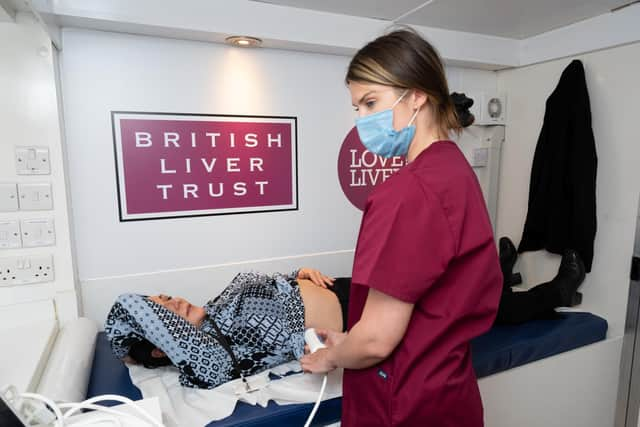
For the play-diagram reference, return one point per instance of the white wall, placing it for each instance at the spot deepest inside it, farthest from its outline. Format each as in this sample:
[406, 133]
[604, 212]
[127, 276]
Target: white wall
[572, 389]
[612, 80]
[586, 378]
[190, 256]
[29, 116]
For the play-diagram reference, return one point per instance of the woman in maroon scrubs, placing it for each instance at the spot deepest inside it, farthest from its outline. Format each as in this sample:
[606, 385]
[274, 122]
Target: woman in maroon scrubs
[426, 277]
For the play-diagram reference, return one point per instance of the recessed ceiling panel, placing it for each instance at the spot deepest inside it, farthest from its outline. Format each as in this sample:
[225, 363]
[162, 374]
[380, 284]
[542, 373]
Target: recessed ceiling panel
[517, 19]
[379, 9]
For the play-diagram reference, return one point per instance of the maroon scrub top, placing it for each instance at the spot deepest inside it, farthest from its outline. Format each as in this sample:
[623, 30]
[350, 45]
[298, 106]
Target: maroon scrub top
[425, 238]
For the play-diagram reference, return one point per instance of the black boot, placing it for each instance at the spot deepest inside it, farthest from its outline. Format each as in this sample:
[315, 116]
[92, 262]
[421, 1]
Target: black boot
[570, 276]
[508, 255]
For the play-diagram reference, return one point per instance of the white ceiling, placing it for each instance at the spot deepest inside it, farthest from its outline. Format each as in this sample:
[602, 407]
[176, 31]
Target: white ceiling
[517, 19]
[465, 34]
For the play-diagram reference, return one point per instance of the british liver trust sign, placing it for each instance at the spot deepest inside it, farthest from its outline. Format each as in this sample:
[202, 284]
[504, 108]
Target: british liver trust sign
[176, 165]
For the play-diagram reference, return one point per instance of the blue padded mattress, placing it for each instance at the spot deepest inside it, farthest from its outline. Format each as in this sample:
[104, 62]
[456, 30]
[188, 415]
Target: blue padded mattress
[508, 346]
[502, 348]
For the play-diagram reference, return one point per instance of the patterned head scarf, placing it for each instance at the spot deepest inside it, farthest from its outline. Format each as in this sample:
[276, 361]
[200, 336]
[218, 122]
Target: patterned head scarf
[202, 362]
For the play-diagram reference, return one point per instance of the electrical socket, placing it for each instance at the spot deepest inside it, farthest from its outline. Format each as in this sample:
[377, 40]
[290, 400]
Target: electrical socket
[32, 161]
[10, 235]
[8, 197]
[36, 232]
[26, 270]
[35, 196]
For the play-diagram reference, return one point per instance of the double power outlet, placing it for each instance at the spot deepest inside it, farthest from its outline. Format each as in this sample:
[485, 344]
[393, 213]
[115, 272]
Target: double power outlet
[26, 270]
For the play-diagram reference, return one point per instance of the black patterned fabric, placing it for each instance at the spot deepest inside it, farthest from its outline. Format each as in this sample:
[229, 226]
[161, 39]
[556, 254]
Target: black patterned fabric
[260, 316]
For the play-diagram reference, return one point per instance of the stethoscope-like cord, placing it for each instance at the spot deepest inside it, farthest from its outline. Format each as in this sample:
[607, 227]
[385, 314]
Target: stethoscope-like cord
[317, 405]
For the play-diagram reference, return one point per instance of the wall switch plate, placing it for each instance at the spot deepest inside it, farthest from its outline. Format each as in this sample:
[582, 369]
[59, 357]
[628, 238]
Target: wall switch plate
[37, 232]
[35, 197]
[26, 270]
[33, 161]
[480, 157]
[10, 235]
[8, 197]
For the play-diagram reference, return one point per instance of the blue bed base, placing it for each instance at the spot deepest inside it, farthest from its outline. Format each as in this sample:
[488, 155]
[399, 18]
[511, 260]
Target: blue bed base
[502, 348]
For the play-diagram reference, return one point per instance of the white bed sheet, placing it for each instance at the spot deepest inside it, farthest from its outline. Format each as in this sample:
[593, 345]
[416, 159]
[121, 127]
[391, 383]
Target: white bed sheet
[187, 407]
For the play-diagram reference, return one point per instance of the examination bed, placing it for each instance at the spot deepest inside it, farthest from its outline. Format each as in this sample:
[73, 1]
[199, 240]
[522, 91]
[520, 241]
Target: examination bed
[500, 349]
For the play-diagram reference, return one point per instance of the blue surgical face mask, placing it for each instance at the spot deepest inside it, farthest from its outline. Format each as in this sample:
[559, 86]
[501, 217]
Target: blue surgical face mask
[378, 135]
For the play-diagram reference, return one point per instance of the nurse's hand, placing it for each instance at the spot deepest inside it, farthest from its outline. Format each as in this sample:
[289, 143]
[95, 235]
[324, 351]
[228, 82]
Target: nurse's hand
[315, 276]
[318, 362]
[329, 337]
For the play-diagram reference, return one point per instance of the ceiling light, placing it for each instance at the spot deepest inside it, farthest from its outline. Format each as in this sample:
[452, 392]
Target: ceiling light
[243, 41]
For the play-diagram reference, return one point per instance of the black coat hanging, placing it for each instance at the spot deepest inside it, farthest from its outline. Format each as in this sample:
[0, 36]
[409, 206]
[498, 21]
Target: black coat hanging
[562, 193]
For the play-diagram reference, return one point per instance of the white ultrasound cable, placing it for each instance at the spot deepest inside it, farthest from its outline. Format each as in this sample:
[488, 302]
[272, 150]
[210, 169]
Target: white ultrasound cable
[317, 405]
[314, 344]
[56, 410]
[91, 404]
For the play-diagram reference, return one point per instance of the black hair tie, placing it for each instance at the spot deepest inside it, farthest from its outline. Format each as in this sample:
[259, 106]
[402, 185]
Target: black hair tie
[462, 104]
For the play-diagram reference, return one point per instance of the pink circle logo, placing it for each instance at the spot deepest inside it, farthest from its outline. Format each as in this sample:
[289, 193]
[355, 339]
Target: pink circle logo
[360, 170]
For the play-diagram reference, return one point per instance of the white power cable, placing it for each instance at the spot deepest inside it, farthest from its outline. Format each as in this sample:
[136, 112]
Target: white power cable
[90, 404]
[56, 410]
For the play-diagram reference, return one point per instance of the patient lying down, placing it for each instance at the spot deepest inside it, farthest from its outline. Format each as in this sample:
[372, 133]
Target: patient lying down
[256, 323]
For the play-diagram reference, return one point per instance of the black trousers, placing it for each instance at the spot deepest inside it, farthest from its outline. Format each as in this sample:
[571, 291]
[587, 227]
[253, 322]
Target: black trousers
[536, 303]
[515, 307]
